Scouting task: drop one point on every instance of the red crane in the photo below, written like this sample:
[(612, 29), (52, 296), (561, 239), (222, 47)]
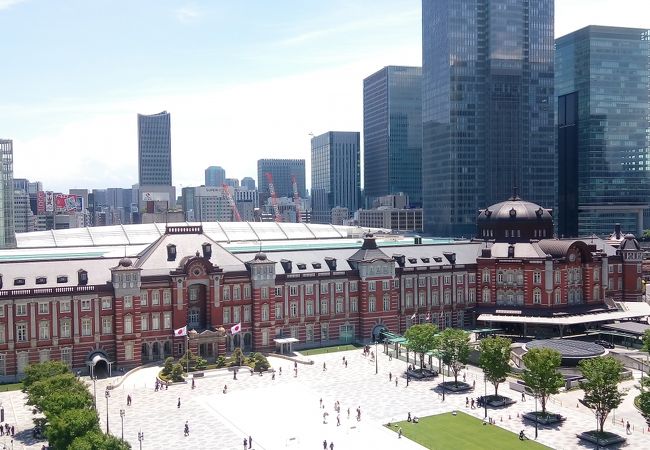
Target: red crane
[(296, 198), (231, 202), (274, 197)]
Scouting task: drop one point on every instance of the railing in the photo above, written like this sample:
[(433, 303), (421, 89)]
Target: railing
[(47, 291)]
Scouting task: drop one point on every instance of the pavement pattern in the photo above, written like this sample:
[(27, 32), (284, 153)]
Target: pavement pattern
[(286, 412)]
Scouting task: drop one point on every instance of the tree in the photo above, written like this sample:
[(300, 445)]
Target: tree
[(644, 405), (38, 391), (602, 376), (541, 374), (177, 372), (453, 345), (71, 424), (644, 398), (237, 357), (75, 397), (260, 362), (42, 371), (169, 365), (495, 360), (421, 339), (98, 441)]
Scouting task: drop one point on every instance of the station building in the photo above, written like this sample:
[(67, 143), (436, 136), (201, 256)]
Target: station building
[(111, 297)]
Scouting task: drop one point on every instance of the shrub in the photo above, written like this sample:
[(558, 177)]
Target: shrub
[(169, 365), (220, 362), (177, 372), (260, 362), (201, 363)]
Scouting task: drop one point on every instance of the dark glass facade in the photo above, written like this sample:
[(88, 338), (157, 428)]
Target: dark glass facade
[(487, 108), (567, 145), (154, 150), (335, 173), (215, 176), (392, 133), (282, 171), (609, 69)]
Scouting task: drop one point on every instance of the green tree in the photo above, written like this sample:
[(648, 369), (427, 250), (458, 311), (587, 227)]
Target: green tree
[(541, 374), (421, 339), (260, 362), (644, 405), (38, 391), (237, 357), (63, 429), (644, 398), (42, 371), (177, 372), (495, 360), (169, 365), (602, 376), (75, 397), (453, 345), (98, 441)]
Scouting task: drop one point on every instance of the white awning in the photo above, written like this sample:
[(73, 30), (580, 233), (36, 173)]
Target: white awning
[(285, 340), (631, 310), (95, 359)]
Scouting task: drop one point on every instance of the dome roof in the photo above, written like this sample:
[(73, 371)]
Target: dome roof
[(125, 262), (515, 220)]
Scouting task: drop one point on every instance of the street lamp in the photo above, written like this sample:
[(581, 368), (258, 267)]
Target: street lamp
[(95, 392), (140, 438), (107, 394), (376, 359), (443, 382), (536, 417), (597, 431), (122, 419), (485, 394)]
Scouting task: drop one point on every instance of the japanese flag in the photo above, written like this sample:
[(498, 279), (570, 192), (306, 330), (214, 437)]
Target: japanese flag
[(413, 316), (235, 328), (181, 331), (428, 317)]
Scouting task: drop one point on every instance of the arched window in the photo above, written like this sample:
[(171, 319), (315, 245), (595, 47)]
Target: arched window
[(193, 317), (486, 275), (323, 306), (537, 296), (128, 324), (500, 277), (486, 296), (558, 296), (596, 293), (265, 312)]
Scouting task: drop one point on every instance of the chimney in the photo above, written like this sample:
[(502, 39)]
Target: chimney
[(207, 250), (171, 252)]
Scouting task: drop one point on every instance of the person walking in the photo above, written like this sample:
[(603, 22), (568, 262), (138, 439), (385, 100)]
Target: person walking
[(178, 405), (250, 441), (348, 413), (186, 431), (128, 400), (245, 443), (321, 402), (390, 376), (395, 381), (399, 433), (331, 445), (338, 420), (627, 428), (324, 444)]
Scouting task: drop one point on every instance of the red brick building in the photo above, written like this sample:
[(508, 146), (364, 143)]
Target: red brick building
[(77, 298)]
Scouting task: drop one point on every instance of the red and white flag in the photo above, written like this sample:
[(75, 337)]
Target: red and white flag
[(235, 328), (413, 316), (181, 331), (428, 317)]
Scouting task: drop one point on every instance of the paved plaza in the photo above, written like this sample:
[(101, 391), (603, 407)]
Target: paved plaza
[(286, 412)]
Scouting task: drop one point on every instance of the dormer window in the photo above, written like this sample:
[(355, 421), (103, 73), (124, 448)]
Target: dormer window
[(19, 282), (413, 260), (62, 279), (437, 259), (301, 266), (82, 277), (316, 265), (41, 280), (425, 260)]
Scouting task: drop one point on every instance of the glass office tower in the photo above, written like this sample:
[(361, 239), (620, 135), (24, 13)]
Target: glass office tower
[(7, 231), (392, 133), (487, 108), (154, 150), (603, 80), (335, 173)]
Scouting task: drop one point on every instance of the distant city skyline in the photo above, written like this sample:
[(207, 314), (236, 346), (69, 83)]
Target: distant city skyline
[(71, 104)]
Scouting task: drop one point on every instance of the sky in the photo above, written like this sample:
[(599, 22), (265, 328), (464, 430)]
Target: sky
[(243, 80)]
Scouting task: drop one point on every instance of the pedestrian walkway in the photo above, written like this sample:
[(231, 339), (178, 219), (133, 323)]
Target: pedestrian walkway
[(286, 412)]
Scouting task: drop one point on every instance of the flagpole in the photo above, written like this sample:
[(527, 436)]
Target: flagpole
[(187, 352)]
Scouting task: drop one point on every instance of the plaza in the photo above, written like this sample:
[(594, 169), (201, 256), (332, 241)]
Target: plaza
[(285, 412)]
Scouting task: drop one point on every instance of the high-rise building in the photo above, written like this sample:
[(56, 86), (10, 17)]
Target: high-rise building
[(7, 231), (602, 80), (335, 173), (282, 171), (248, 183), (487, 108), (392, 133), (232, 182), (215, 176), (154, 150)]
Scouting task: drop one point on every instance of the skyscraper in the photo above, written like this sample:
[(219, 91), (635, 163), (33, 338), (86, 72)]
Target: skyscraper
[(335, 173), (602, 82), (248, 183), (282, 171), (215, 176), (7, 231), (487, 108), (154, 150), (392, 133)]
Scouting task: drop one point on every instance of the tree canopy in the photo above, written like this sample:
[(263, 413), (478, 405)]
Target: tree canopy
[(453, 345), (541, 375), (495, 360), (43, 371), (421, 339), (602, 376)]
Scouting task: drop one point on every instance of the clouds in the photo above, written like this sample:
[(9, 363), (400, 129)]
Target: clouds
[(187, 14), (6, 4)]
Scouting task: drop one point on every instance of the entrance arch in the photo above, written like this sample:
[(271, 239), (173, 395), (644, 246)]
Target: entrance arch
[(155, 350), (145, 354), (99, 364), (378, 332)]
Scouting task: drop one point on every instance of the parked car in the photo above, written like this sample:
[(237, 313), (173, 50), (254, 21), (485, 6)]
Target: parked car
[(604, 343)]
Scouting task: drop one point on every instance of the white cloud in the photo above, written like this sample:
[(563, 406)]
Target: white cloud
[(230, 126), (187, 14), (6, 4)]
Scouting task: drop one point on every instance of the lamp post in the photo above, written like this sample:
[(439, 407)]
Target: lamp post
[(140, 438), (122, 419), (107, 394), (376, 359), (95, 392), (443, 382), (536, 417)]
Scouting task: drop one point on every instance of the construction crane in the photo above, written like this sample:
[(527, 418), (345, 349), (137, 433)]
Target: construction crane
[(296, 197), (231, 202), (274, 197)]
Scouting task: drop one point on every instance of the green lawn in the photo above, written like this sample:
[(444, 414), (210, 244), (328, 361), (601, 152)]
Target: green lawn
[(337, 348), (11, 387), (462, 432)]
